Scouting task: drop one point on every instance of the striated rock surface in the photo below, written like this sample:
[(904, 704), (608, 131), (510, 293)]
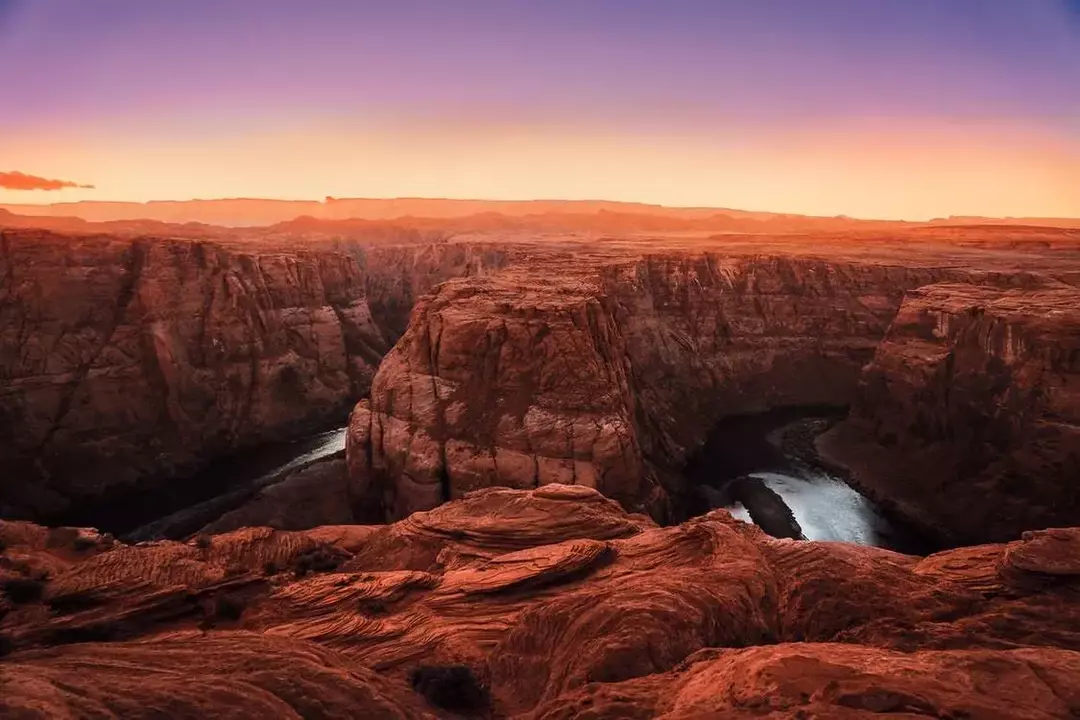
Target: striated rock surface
[(968, 418), (555, 601), (128, 360), (395, 276), (608, 374), (122, 359)]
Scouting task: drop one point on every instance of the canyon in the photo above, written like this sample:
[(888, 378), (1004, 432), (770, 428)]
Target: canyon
[(608, 371), (515, 525), (131, 360)]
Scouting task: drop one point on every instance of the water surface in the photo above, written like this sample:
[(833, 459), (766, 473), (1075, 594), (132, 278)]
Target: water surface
[(776, 450)]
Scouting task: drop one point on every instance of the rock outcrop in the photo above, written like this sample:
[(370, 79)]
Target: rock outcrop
[(555, 601), (968, 418), (608, 374), (126, 360), (396, 276)]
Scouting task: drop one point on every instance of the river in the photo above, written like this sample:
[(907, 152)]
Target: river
[(181, 507), (764, 469)]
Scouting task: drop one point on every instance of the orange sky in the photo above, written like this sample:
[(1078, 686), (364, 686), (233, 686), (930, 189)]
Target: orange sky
[(863, 170), (906, 109)]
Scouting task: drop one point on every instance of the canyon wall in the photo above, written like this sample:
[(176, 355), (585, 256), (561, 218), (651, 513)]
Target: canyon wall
[(608, 376), (968, 418), (121, 359), (131, 360), (395, 276)]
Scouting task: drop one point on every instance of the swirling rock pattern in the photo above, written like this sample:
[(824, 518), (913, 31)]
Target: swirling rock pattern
[(561, 603)]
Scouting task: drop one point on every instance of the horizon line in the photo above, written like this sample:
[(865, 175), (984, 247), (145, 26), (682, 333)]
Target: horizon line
[(330, 199)]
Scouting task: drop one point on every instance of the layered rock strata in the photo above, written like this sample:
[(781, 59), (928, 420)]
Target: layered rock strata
[(128, 360), (968, 418), (556, 602), (608, 375)]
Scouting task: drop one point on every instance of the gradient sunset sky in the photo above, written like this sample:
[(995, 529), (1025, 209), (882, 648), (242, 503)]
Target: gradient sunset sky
[(872, 108)]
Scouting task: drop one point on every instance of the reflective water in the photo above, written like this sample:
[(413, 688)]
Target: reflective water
[(776, 450), (178, 508), (826, 508)]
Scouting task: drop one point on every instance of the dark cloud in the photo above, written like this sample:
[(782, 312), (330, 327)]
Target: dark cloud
[(22, 181)]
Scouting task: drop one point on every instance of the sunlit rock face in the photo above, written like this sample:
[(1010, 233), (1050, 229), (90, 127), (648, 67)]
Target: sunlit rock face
[(556, 601), (607, 375), (968, 418)]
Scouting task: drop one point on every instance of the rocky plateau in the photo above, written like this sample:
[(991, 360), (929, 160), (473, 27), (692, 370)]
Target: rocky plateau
[(510, 532), (609, 372)]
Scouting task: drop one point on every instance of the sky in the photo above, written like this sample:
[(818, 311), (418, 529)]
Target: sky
[(905, 109)]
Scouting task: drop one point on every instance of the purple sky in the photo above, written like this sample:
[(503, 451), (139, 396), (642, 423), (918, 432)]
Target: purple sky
[(86, 73)]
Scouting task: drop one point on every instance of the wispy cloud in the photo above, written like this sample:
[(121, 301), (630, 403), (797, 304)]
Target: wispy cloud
[(21, 181)]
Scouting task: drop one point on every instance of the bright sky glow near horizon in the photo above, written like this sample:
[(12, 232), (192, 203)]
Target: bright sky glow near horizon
[(873, 108)]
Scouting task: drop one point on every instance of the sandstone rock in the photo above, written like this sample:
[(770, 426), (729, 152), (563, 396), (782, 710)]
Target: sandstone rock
[(968, 418), (608, 374), (128, 360), (561, 604), (236, 675)]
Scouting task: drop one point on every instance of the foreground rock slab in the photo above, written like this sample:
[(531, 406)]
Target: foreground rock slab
[(554, 602)]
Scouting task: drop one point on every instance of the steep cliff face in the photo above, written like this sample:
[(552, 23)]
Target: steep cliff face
[(968, 418), (608, 376), (125, 359), (396, 276)]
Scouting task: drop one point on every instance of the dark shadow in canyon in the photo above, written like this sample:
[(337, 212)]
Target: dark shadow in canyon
[(178, 507), (764, 469)]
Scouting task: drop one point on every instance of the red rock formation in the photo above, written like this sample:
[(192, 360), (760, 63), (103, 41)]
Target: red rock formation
[(395, 276), (122, 359), (560, 603), (607, 375), (127, 360), (968, 419)]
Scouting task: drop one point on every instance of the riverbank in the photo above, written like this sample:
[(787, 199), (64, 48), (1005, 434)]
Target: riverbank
[(766, 467), (177, 507)]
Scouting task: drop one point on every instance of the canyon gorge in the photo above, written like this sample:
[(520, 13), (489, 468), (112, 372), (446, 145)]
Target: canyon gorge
[(498, 491)]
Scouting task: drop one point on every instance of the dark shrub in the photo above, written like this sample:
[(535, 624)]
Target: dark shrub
[(229, 607), (203, 542), (320, 559), (270, 568), (450, 687), (373, 606), (24, 589)]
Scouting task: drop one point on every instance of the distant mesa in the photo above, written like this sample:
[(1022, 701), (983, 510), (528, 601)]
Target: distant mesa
[(596, 216)]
